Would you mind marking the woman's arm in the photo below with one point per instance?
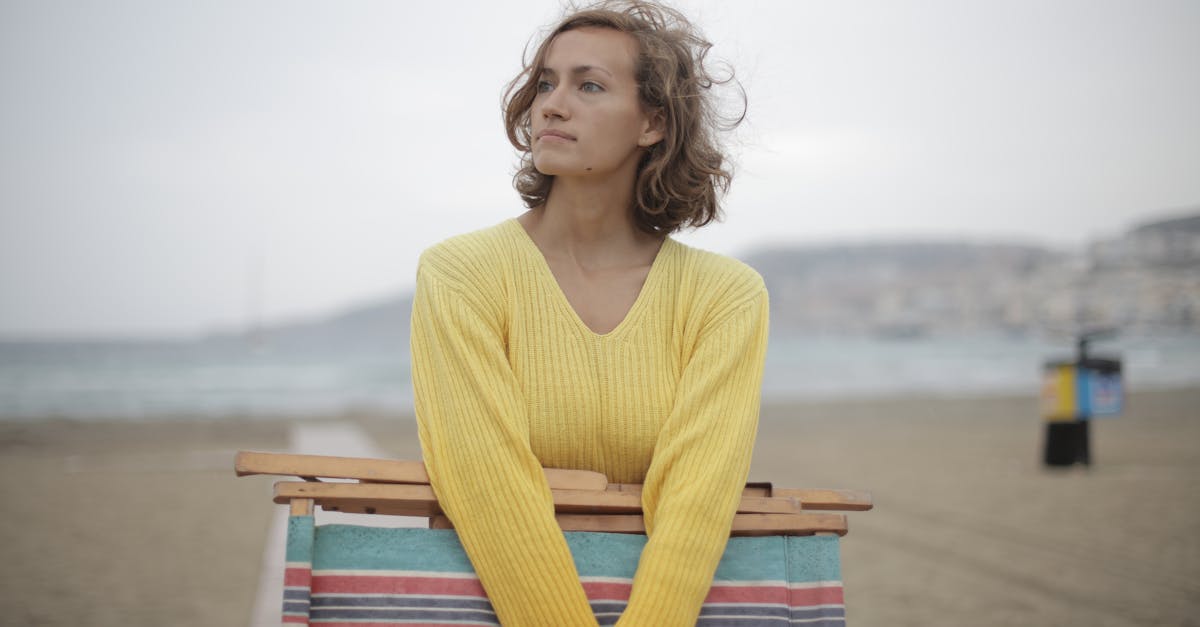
(700, 464)
(474, 438)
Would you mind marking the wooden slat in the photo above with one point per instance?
(381, 470)
(401, 499)
(420, 500)
(618, 502)
(743, 524)
(769, 505)
(368, 498)
(788, 524)
(413, 472)
(827, 499)
(821, 499)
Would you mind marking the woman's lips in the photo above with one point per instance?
(554, 135)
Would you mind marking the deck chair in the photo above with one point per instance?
(781, 565)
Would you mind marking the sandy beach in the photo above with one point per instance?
(120, 523)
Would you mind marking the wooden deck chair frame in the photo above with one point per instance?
(781, 565)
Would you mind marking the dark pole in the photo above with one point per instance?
(1083, 436)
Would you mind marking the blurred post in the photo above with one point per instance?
(1074, 392)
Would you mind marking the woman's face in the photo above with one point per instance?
(586, 119)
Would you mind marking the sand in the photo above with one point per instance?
(117, 523)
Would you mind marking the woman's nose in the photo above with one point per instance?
(554, 104)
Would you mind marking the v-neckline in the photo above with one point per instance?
(547, 276)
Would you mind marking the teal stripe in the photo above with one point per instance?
(814, 558)
(300, 539)
(605, 554)
(751, 559)
(348, 547)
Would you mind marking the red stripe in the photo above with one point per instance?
(607, 590)
(824, 595)
(297, 577)
(303, 620)
(383, 584)
(747, 594)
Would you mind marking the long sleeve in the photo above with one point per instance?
(475, 440)
(699, 468)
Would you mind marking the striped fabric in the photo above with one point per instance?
(375, 577)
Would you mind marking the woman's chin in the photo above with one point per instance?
(556, 169)
(549, 165)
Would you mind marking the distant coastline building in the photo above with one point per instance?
(1146, 280)
(1173, 243)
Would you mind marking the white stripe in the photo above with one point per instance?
(749, 584)
(827, 606)
(815, 584)
(842, 619)
(606, 580)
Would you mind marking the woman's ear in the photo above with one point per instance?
(654, 129)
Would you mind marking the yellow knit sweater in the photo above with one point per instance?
(507, 380)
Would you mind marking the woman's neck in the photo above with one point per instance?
(590, 224)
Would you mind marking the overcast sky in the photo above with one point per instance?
(176, 167)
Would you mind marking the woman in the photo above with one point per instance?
(579, 335)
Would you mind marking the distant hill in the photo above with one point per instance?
(870, 261)
(1169, 243)
(378, 331)
(898, 288)
(1184, 224)
(383, 325)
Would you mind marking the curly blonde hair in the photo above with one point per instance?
(679, 179)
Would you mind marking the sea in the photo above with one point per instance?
(141, 380)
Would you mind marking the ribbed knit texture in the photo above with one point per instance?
(507, 379)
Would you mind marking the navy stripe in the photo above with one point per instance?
(748, 621)
(295, 607)
(612, 609)
(296, 594)
(610, 619)
(745, 611)
(608, 606)
(830, 617)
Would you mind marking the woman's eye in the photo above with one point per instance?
(591, 87)
(544, 87)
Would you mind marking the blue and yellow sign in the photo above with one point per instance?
(1082, 390)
